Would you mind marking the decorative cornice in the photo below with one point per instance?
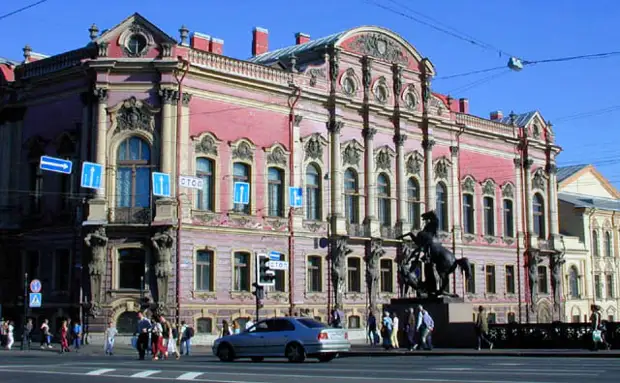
(399, 139)
(168, 96)
(428, 144)
(334, 126)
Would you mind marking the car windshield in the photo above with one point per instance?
(311, 323)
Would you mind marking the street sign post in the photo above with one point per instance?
(35, 300)
(35, 286)
(91, 175)
(56, 165)
(241, 193)
(161, 184)
(295, 196)
(191, 182)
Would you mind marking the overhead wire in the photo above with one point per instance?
(4, 16)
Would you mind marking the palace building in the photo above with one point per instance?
(351, 118)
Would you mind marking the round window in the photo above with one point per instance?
(136, 44)
(348, 86)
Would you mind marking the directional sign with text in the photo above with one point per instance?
(161, 184)
(295, 196)
(278, 265)
(35, 286)
(241, 191)
(91, 175)
(57, 165)
(191, 182)
(35, 300)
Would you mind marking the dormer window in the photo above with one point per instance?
(136, 44)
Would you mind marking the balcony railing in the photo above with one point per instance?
(357, 230)
(132, 215)
(388, 232)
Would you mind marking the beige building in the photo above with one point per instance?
(589, 210)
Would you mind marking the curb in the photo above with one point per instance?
(486, 353)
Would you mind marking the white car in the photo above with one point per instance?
(290, 337)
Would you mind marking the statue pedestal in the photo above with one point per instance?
(453, 317)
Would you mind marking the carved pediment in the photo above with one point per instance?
(469, 185)
(508, 190)
(414, 163)
(383, 158)
(488, 187)
(131, 115)
(243, 149)
(207, 144)
(539, 180)
(380, 46)
(442, 168)
(352, 153)
(277, 155)
(313, 146)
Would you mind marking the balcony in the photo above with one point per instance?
(357, 230)
(132, 215)
(388, 232)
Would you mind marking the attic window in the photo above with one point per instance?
(136, 44)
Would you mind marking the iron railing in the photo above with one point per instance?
(555, 335)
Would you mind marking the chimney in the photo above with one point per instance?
(217, 46)
(260, 41)
(496, 115)
(301, 38)
(464, 105)
(200, 41)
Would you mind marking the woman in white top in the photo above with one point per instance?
(110, 333)
(46, 336)
(9, 335)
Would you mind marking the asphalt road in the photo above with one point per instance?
(53, 368)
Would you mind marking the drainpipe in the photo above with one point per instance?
(458, 183)
(292, 102)
(525, 221)
(179, 77)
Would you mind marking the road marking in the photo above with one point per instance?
(189, 376)
(507, 364)
(144, 374)
(100, 371)
(453, 368)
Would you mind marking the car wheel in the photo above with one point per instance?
(295, 353)
(257, 359)
(225, 353)
(327, 357)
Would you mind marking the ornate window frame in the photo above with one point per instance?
(442, 172)
(489, 190)
(204, 314)
(352, 155)
(539, 180)
(514, 279)
(116, 272)
(127, 34)
(486, 285)
(384, 160)
(347, 292)
(390, 197)
(243, 151)
(393, 273)
(414, 167)
(321, 189)
(314, 148)
(544, 212)
(243, 295)
(468, 186)
(350, 74)
(410, 89)
(276, 156)
(508, 193)
(207, 145)
(381, 83)
(315, 295)
(421, 199)
(200, 294)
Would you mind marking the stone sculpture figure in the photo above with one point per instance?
(533, 261)
(163, 245)
(98, 244)
(556, 260)
(372, 270)
(407, 266)
(339, 252)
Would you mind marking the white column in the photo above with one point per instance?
(167, 148)
(518, 192)
(553, 200)
(429, 176)
(186, 151)
(528, 196)
(455, 191)
(102, 127)
(369, 170)
(338, 226)
(401, 181)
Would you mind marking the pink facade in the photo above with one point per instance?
(353, 109)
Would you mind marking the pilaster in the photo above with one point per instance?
(518, 200)
(553, 203)
(97, 209)
(297, 174)
(455, 192)
(167, 99)
(369, 169)
(429, 181)
(401, 181)
(338, 222)
(527, 184)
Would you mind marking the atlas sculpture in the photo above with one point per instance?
(426, 250)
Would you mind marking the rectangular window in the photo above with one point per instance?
(242, 274)
(62, 267)
(32, 264)
(204, 270)
(470, 285)
(489, 216)
(610, 286)
(490, 279)
(36, 187)
(387, 277)
(510, 279)
(275, 192)
(241, 173)
(313, 193)
(598, 289)
(131, 268)
(205, 196)
(543, 284)
(468, 214)
(315, 284)
(354, 280)
(509, 226)
(280, 281)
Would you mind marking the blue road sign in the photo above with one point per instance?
(57, 165)
(274, 256)
(295, 196)
(91, 175)
(35, 286)
(161, 184)
(35, 300)
(241, 193)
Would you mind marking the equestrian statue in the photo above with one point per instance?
(438, 261)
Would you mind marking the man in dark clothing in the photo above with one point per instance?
(26, 337)
(482, 328)
(144, 326)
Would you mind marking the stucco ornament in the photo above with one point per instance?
(133, 114)
(243, 151)
(207, 145)
(556, 261)
(488, 188)
(98, 244)
(163, 242)
(334, 66)
(383, 160)
(397, 72)
(340, 250)
(469, 185)
(372, 270)
(538, 181)
(277, 156)
(314, 148)
(351, 156)
(380, 46)
(533, 260)
(441, 169)
(509, 191)
(414, 164)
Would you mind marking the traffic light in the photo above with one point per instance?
(264, 275)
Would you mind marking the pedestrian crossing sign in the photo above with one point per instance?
(35, 300)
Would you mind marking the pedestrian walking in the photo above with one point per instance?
(386, 330)
(77, 335)
(26, 335)
(412, 332)
(482, 328)
(426, 327)
(598, 328)
(46, 335)
(64, 341)
(394, 333)
(187, 333)
(9, 334)
(142, 333)
(373, 335)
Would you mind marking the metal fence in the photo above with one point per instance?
(550, 335)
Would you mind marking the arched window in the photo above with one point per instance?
(573, 282)
(413, 202)
(351, 196)
(275, 192)
(127, 322)
(313, 193)
(595, 245)
(489, 215)
(469, 225)
(133, 174)
(205, 196)
(509, 226)
(441, 208)
(383, 196)
(538, 207)
(241, 173)
(608, 244)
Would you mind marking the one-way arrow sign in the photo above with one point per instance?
(57, 165)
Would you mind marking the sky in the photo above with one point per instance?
(579, 97)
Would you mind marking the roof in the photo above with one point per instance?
(7, 61)
(297, 50)
(521, 119)
(566, 171)
(586, 201)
